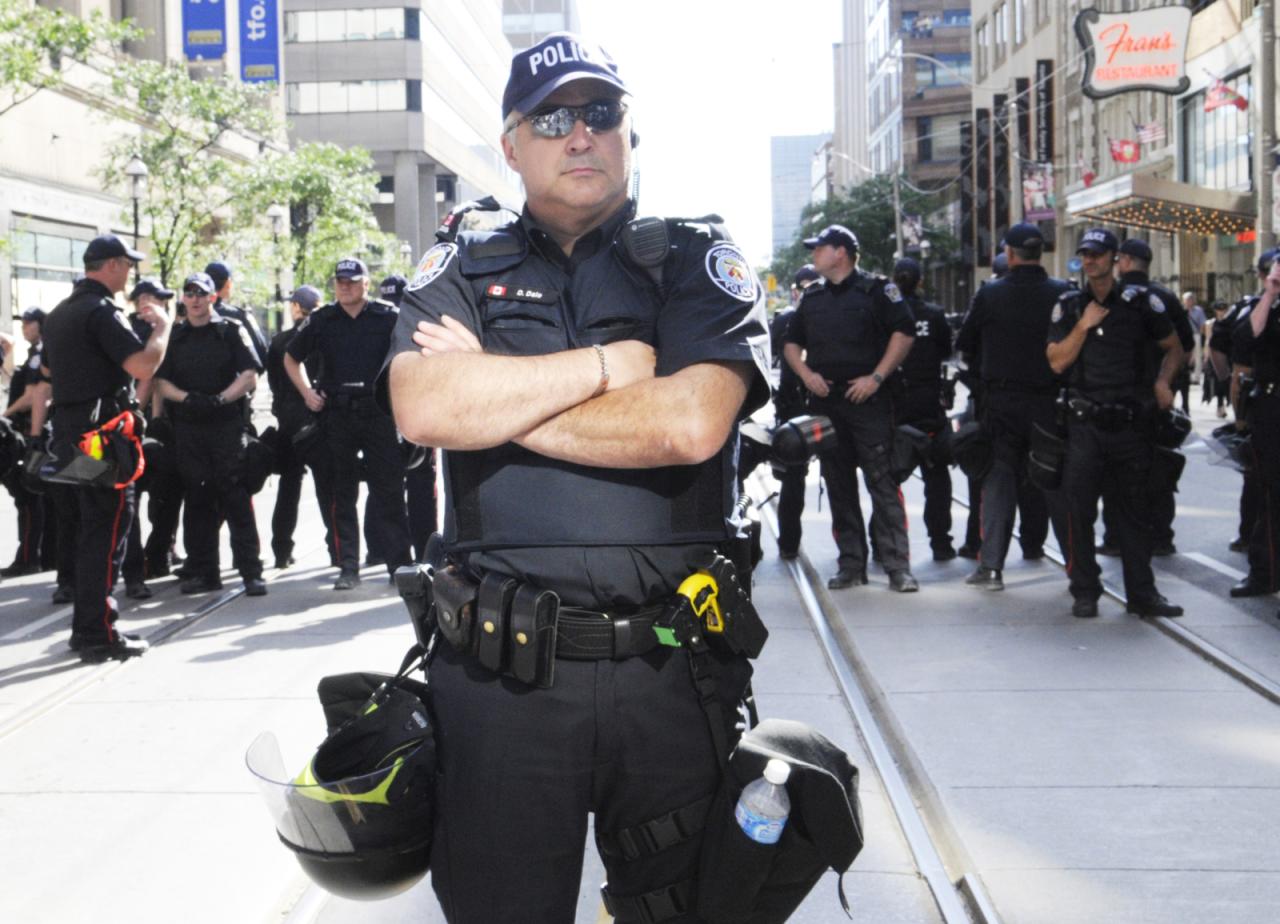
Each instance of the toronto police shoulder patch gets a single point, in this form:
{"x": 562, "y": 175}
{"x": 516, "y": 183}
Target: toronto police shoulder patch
{"x": 1056, "y": 316}
{"x": 433, "y": 263}
{"x": 892, "y": 292}
{"x": 729, "y": 270}
{"x": 1156, "y": 304}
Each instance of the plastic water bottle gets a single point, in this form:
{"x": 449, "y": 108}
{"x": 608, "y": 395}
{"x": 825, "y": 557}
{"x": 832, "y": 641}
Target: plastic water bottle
{"x": 763, "y": 807}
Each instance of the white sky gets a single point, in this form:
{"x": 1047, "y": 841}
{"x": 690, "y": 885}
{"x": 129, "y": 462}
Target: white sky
{"x": 712, "y": 81}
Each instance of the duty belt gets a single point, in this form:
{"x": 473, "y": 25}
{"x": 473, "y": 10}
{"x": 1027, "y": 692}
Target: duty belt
{"x": 1111, "y": 416}
{"x": 590, "y": 635}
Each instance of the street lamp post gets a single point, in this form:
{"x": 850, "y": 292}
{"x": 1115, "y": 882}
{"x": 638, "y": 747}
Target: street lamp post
{"x": 278, "y": 215}
{"x": 137, "y": 173}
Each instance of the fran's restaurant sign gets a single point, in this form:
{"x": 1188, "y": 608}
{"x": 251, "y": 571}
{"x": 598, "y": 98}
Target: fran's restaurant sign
{"x": 1146, "y": 50}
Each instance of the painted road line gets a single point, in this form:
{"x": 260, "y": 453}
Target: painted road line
{"x": 32, "y": 628}
{"x": 1215, "y": 565}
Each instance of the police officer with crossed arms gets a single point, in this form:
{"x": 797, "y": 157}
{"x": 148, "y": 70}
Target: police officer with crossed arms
{"x": 584, "y": 392}
{"x": 1098, "y": 339}
{"x": 851, "y": 332}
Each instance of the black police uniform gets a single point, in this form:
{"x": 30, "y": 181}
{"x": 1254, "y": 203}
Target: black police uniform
{"x": 36, "y": 549}
{"x": 1164, "y": 507}
{"x": 246, "y": 319}
{"x": 790, "y": 400}
{"x": 845, "y": 329}
{"x": 1110, "y": 402}
{"x": 922, "y": 406}
{"x": 292, "y": 414}
{"x": 351, "y": 351}
{"x": 210, "y": 442}
{"x": 624, "y": 737}
{"x": 1230, "y": 338}
{"x": 86, "y": 341}
{"x": 1006, "y": 326}
{"x": 1263, "y": 416}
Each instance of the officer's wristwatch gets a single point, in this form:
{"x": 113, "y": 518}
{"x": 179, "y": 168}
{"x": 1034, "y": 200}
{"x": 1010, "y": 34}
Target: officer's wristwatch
{"x": 877, "y": 378}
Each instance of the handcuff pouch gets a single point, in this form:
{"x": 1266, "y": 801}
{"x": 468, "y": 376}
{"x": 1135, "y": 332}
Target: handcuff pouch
{"x": 532, "y": 633}
{"x": 493, "y": 606}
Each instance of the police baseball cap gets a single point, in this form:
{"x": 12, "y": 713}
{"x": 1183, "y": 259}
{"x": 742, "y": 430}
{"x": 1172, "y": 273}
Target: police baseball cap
{"x": 33, "y": 314}
{"x": 559, "y": 58}
{"x": 351, "y": 268}
{"x": 1023, "y": 234}
{"x": 219, "y": 272}
{"x": 835, "y": 235}
{"x": 1137, "y": 247}
{"x": 909, "y": 267}
{"x": 1097, "y": 240}
{"x": 392, "y": 288}
{"x": 999, "y": 265}
{"x": 199, "y": 281}
{"x": 306, "y": 297}
{"x": 150, "y": 287}
{"x": 1266, "y": 258}
{"x": 108, "y": 246}
{"x": 805, "y": 275}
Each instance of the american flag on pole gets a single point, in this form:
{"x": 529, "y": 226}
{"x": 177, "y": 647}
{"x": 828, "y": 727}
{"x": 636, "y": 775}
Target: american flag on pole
{"x": 1151, "y": 133}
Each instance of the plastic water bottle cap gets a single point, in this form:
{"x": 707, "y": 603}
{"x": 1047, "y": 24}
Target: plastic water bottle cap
{"x": 777, "y": 771}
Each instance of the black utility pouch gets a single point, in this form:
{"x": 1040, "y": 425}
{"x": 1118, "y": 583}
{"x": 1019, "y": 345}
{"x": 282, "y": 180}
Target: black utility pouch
{"x": 455, "y": 598}
{"x": 743, "y": 882}
{"x": 1047, "y": 458}
{"x": 534, "y": 614}
{"x": 493, "y": 606}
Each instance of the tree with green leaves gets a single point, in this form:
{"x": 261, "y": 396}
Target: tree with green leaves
{"x": 329, "y": 191}
{"x": 35, "y": 41}
{"x": 194, "y": 182}
{"x": 867, "y": 211}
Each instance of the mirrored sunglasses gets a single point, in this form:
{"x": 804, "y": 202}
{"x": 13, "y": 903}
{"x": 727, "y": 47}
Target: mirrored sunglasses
{"x": 598, "y": 116}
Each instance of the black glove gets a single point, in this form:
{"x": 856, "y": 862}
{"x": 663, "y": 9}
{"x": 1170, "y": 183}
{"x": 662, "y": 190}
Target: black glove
{"x": 198, "y": 404}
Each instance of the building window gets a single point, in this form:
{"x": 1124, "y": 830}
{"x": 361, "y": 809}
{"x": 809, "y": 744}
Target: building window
{"x": 982, "y": 48}
{"x": 955, "y": 70}
{"x": 46, "y": 256}
{"x": 1019, "y": 22}
{"x": 1042, "y": 13}
{"x": 957, "y": 19}
{"x": 938, "y": 138}
{"x": 354, "y": 96}
{"x": 1216, "y": 145}
{"x": 1000, "y": 33}
{"x": 306, "y": 26}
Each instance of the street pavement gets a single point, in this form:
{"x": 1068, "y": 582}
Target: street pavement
{"x": 1084, "y": 771}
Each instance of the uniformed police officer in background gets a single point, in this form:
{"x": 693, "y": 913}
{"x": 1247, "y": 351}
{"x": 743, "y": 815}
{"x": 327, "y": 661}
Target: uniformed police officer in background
{"x": 210, "y": 369}
{"x": 922, "y": 404}
{"x": 851, "y": 332}
{"x": 221, "y": 275}
{"x": 1003, "y": 334}
{"x": 577, "y": 461}
{"x": 1261, "y": 329}
{"x": 27, "y": 412}
{"x": 1099, "y": 339}
{"x": 790, "y": 400}
{"x": 92, "y": 355}
{"x": 351, "y": 336}
{"x": 293, "y": 416}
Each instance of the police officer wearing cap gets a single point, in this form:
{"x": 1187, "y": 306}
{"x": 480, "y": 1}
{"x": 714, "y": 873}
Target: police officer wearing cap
{"x": 221, "y": 275}
{"x": 210, "y": 369}
{"x": 923, "y": 403}
{"x": 351, "y": 336}
{"x": 585, "y": 392}
{"x": 1003, "y": 335}
{"x": 300, "y": 438}
{"x": 1133, "y": 262}
{"x": 790, "y": 400}
{"x": 1259, "y": 334}
{"x": 852, "y": 332}
{"x": 27, "y": 412}
{"x": 93, "y": 356}
{"x": 1099, "y": 339}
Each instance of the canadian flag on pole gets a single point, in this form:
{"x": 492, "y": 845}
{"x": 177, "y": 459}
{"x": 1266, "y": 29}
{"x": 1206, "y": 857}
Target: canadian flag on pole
{"x": 1220, "y": 95}
{"x": 1125, "y": 151}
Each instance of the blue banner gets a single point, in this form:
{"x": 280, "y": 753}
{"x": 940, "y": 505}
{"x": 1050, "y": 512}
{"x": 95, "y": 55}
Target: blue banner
{"x": 259, "y": 41}
{"x": 204, "y": 28}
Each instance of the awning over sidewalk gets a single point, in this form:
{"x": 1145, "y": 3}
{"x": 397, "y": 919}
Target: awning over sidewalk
{"x": 1136, "y": 200}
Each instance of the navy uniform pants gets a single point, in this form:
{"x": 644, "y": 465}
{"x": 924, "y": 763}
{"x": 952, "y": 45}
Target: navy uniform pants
{"x": 1010, "y": 415}
{"x": 522, "y": 768}
{"x": 864, "y": 436}
{"x": 1264, "y": 540}
{"x": 352, "y": 431}
{"x": 209, "y": 460}
{"x": 105, "y": 515}
{"x": 1122, "y": 461}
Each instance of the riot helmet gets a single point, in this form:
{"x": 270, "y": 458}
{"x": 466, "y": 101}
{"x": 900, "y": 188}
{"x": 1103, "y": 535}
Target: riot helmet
{"x": 359, "y": 815}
